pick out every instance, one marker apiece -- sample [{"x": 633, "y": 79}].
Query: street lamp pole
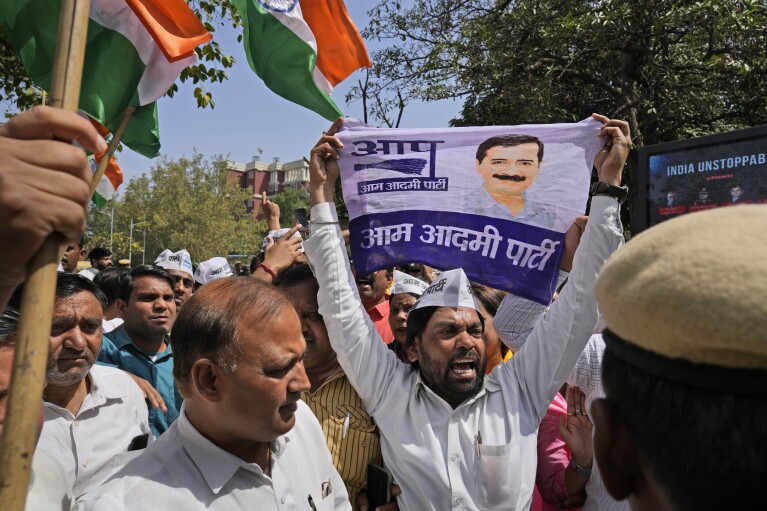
[{"x": 111, "y": 225}]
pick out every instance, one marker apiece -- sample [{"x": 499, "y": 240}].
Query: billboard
[{"x": 682, "y": 177}]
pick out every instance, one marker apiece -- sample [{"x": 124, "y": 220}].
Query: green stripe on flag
[
  {"x": 111, "y": 72},
  {"x": 282, "y": 59}
]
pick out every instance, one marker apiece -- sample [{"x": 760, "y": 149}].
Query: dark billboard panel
[{"x": 709, "y": 172}]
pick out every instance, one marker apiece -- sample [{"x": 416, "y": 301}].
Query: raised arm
[
  {"x": 370, "y": 366},
  {"x": 550, "y": 354}
]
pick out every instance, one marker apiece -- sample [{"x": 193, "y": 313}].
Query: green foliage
[
  {"x": 672, "y": 69},
  {"x": 186, "y": 203},
  {"x": 19, "y": 93},
  {"x": 289, "y": 199}
]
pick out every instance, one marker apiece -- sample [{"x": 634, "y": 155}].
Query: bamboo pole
[
  {"x": 19, "y": 438},
  {"x": 116, "y": 136}
]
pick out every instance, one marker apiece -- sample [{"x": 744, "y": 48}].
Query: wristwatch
[
  {"x": 584, "y": 471},
  {"x": 602, "y": 188}
]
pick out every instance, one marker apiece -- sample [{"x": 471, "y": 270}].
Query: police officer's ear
[{"x": 614, "y": 451}]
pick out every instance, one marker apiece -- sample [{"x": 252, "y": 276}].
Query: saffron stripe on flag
[{"x": 173, "y": 26}]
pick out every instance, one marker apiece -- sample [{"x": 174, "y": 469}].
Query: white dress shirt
[
  {"x": 588, "y": 376},
  {"x": 183, "y": 471},
  {"x": 431, "y": 449},
  {"x": 50, "y": 488},
  {"x": 94, "y": 443}
]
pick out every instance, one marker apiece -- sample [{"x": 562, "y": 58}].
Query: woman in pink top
[{"x": 559, "y": 481}]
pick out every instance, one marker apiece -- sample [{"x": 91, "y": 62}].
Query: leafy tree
[
  {"x": 289, "y": 199},
  {"x": 186, "y": 203},
  {"x": 19, "y": 93},
  {"x": 673, "y": 69}
]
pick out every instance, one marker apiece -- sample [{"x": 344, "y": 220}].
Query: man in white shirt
[
  {"x": 244, "y": 439},
  {"x": 92, "y": 413},
  {"x": 450, "y": 438}
]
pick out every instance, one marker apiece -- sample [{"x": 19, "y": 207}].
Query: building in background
[{"x": 257, "y": 176}]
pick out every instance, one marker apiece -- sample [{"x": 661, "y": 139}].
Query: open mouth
[
  {"x": 464, "y": 368},
  {"x": 516, "y": 178}
]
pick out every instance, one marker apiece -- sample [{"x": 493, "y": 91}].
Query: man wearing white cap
[
  {"x": 210, "y": 270},
  {"x": 451, "y": 438},
  {"x": 179, "y": 266}
]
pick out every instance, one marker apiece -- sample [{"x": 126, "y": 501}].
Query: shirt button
[
  {"x": 453, "y": 457},
  {"x": 284, "y": 499},
  {"x": 458, "y": 501},
  {"x": 313, "y": 399},
  {"x": 85, "y": 463}
]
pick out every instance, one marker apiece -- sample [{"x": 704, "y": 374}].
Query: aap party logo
[{"x": 278, "y": 5}]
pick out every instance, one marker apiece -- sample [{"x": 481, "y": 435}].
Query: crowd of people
[{"x": 301, "y": 384}]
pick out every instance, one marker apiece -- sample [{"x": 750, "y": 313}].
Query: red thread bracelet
[{"x": 268, "y": 270}]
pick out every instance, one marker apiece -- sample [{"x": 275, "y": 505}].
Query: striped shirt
[{"x": 360, "y": 446}]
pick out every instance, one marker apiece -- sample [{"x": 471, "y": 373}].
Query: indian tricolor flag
[
  {"x": 302, "y": 49},
  {"x": 112, "y": 178},
  {"x": 135, "y": 51}
]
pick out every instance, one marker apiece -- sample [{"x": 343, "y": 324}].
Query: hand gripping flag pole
[{"x": 17, "y": 444}]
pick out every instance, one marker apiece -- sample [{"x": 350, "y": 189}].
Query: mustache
[
  {"x": 361, "y": 281},
  {"x": 472, "y": 356},
  {"x": 517, "y": 178}
]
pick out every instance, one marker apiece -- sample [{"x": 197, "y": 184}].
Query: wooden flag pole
[
  {"x": 112, "y": 148},
  {"x": 19, "y": 438}
]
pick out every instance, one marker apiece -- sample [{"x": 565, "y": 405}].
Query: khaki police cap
[{"x": 693, "y": 288}]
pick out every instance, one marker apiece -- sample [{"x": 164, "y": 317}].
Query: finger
[
  {"x": 151, "y": 398},
  {"x": 614, "y": 135},
  {"x": 561, "y": 427},
  {"x": 160, "y": 401},
  {"x": 59, "y": 214},
  {"x": 52, "y": 182},
  {"x": 622, "y": 125},
  {"x": 395, "y": 490},
  {"x": 325, "y": 150},
  {"x": 269, "y": 243},
  {"x": 335, "y": 126},
  {"x": 292, "y": 231},
  {"x": 581, "y": 222},
  {"x": 570, "y": 400},
  {"x": 600, "y": 118},
  {"x": 263, "y": 198},
  {"x": 44, "y": 122}
]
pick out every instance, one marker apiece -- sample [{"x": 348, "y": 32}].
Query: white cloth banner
[{"x": 495, "y": 201}]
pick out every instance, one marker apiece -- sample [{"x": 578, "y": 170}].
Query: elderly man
[
  {"x": 350, "y": 433},
  {"x": 452, "y": 439},
  {"x": 140, "y": 345},
  {"x": 179, "y": 266},
  {"x": 84, "y": 403},
  {"x": 685, "y": 364},
  {"x": 244, "y": 439}
]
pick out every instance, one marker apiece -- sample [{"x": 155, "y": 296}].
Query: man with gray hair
[
  {"x": 92, "y": 413},
  {"x": 244, "y": 439}
]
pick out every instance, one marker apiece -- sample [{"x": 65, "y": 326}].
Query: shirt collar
[
  {"x": 216, "y": 465},
  {"x": 120, "y": 339},
  {"x": 339, "y": 373},
  {"x": 379, "y": 311},
  {"x": 102, "y": 390}
]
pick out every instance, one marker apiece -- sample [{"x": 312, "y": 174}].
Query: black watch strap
[{"x": 602, "y": 188}]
